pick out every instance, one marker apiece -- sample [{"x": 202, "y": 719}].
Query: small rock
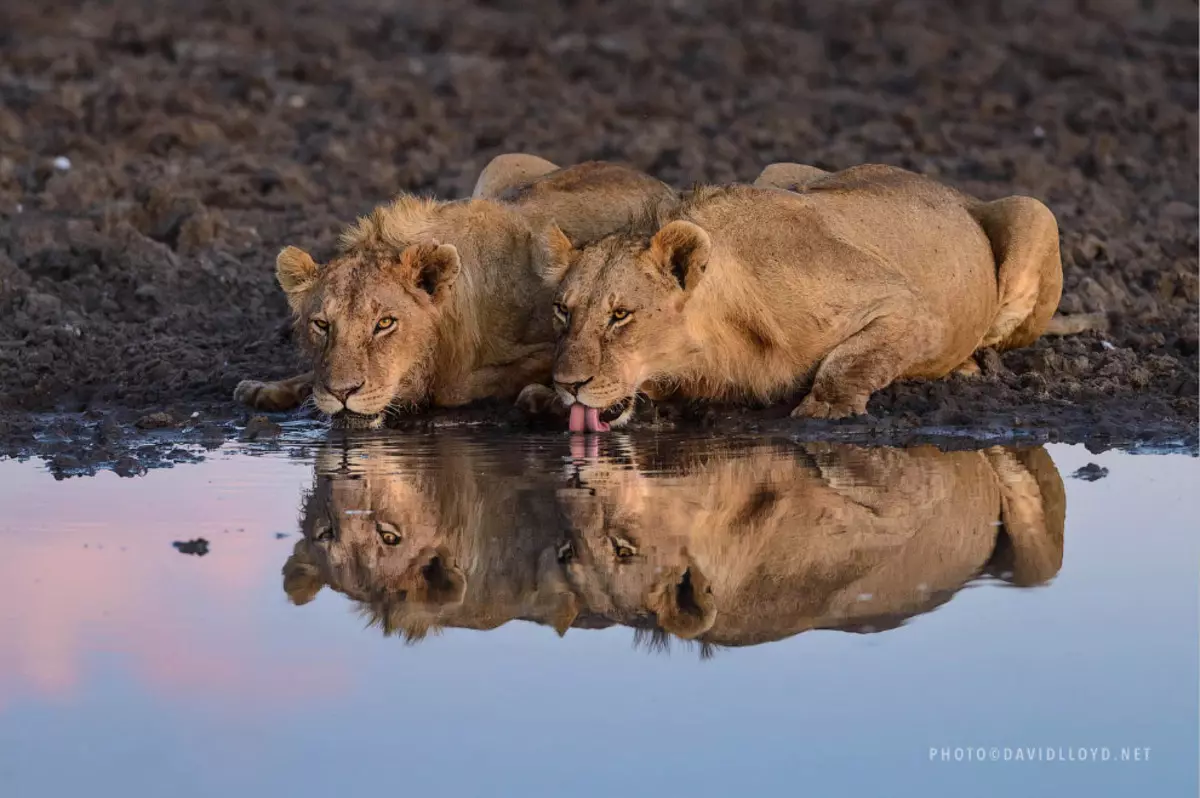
[
  {"x": 42, "y": 306},
  {"x": 260, "y": 427},
  {"x": 1091, "y": 472},
  {"x": 62, "y": 163},
  {"x": 198, "y": 547},
  {"x": 158, "y": 420},
  {"x": 129, "y": 466},
  {"x": 1090, "y": 249}
]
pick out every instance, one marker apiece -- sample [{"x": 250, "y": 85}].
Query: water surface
[{"x": 474, "y": 614}]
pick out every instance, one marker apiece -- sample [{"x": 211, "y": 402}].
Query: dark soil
[{"x": 156, "y": 154}]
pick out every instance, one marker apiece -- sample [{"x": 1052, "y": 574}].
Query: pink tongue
[
  {"x": 586, "y": 419},
  {"x": 594, "y": 424},
  {"x": 578, "y": 415}
]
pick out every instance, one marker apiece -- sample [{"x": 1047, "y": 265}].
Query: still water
[{"x": 472, "y": 614}]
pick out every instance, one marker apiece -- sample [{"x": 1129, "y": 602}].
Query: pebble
[{"x": 1091, "y": 472}]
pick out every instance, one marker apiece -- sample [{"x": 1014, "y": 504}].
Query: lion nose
[
  {"x": 342, "y": 391},
  {"x": 572, "y": 387}
]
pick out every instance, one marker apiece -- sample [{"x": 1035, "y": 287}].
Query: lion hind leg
[
  {"x": 968, "y": 368},
  {"x": 277, "y": 396},
  {"x": 789, "y": 176},
  {"x": 1033, "y": 509},
  {"x": 887, "y": 348},
  {"x": 510, "y": 171},
  {"x": 1024, "y": 237}
]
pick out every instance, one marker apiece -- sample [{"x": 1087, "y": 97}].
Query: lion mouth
[
  {"x": 592, "y": 419},
  {"x": 349, "y": 420}
]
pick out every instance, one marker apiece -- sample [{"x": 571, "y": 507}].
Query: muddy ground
[{"x": 156, "y": 154}]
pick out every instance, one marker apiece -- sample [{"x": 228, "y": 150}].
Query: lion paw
[
  {"x": 268, "y": 396},
  {"x": 812, "y": 407},
  {"x": 539, "y": 400},
  {"x": 969, "y": 368}
]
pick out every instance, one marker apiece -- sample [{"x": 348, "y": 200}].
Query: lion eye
[
  {"x": 325, "y": 535},
  {"x": 622, "y": 548},
  {"x": 321, "y": 325},
  {"x": 565, "y": 552},
  {"x": 386, "y": 323},
  {"x": 388, "y": 534},
  {"x": 620, "y": 314},
  {"x": 561, "y": 312}
]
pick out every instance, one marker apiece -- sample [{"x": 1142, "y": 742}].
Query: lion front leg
[
  {"x": 865, "y": 362},
  {"x": 276, "y": 396}
]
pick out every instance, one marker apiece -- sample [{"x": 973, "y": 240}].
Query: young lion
[
  {"x": 855, "y": 278},
  {"x": 442, "y": 302}
]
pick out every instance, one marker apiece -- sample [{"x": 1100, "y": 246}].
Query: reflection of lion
[
  {"x": 419, "y": 539},
  {"x": 729, "y": 546},
  {"x": 852, "y": 280},
  {"x": 744, "y": 547},
  {"x": 442, "y": 302}
]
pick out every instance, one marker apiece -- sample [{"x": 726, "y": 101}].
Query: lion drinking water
[
  {"x": 441, "y": 302},
  {"x": 852, "y": 279}
]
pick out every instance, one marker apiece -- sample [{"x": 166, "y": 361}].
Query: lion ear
[
  {"x": 432, "y": 268},
  {"x": 684, "y": 604},
  {"x": 296, "y": 270},
  {"x": 682, "y": 249},
  {"x": 301, "y": 579},
  {"x": 552, "y": 254},
  {"x": 434, "y": 579}
]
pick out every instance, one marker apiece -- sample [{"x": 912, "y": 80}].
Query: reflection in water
[{"x": 728, "y": 544}]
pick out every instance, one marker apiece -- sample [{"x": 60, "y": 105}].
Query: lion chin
[{"x": 349, "y": 420}]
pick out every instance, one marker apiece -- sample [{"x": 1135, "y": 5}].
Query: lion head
[
  {"x": 619, "y": 309},
  {"x": 369, "y": 317},
  {"x": 379, "y": 536}
]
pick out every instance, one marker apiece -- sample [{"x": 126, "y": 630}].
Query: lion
[
  {"x": 843, "y": 282},
  {"x": 424, "y": 537},
  {"x": 432, "y": 302},
  {"x": 752, "y": 543}
]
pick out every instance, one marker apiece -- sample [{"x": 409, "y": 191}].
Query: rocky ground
[{"x": 156, "y": 154}]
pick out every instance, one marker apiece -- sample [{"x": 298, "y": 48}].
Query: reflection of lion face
[
  {"x": 623, "y": 562},
  {"x": 379, "y": 538}
]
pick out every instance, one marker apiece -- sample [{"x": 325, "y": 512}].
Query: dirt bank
[{"x": 154, "y": 156}]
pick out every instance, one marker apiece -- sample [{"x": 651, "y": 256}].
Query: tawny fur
[
  {"x": 852, "y": 281},
  {"x": 807, "y": 537},
  {"x": 457, "y": 285},
  {"x": 492, "y": 551},
  {"x": 730, "y": 546}
]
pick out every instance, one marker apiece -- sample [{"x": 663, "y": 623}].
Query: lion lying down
[
  {"x": 442, "y": 302},
  {"x": 850, "y": 280}
]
